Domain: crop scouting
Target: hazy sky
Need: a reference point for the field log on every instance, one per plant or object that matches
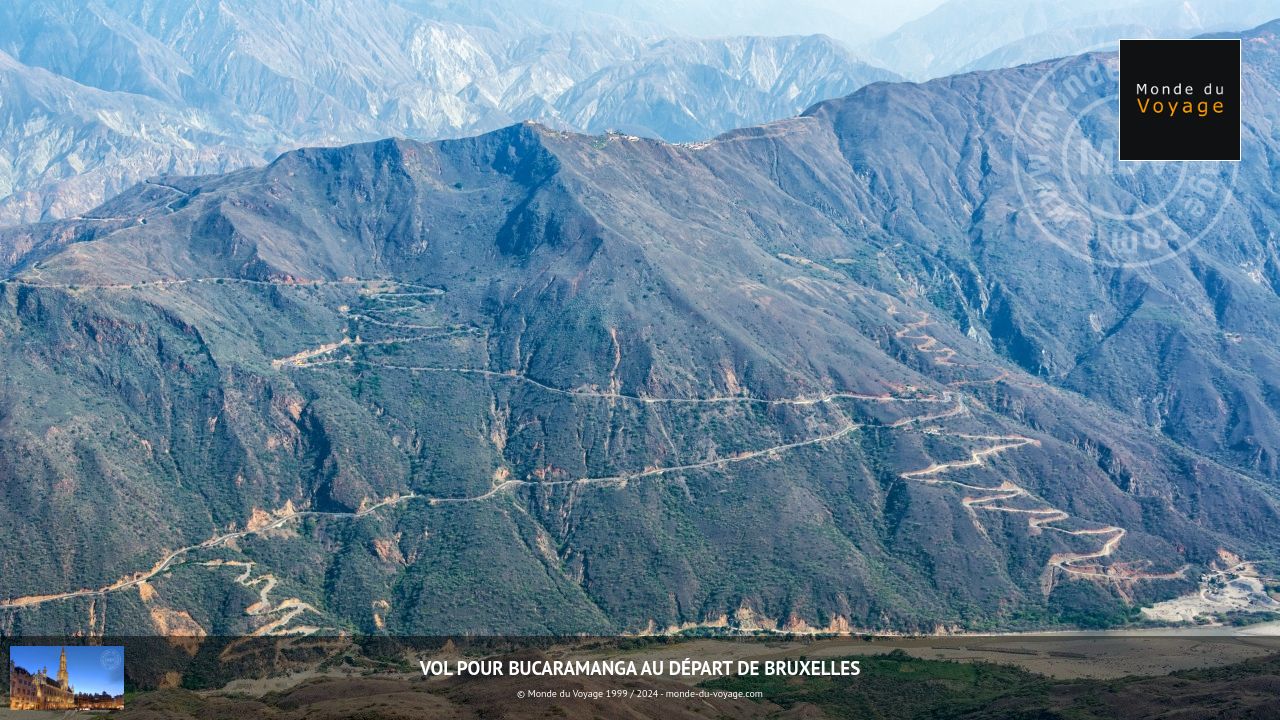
(852, 21)
(849, 20)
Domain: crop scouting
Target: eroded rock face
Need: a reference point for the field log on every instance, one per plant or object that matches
(806, 375)
(99, 97)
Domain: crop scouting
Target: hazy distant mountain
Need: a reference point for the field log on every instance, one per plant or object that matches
(827, 372)
(985, 34)
(674, 88)
(211, 85)
(848, 21)
(65, 145)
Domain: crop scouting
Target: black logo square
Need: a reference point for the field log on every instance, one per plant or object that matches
(1180, 99)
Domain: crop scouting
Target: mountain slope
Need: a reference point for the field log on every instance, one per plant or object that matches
(1178, 345)
(800, 376)
(677, 85)
(66, 145)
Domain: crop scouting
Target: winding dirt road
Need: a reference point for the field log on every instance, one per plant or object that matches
(997, 499)
(1000, 498)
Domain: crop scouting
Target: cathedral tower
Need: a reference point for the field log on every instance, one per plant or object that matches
(63, 682)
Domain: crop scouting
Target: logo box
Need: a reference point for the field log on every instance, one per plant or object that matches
(1180, 99)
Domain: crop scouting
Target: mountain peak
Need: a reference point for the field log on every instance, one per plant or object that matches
(819, 372)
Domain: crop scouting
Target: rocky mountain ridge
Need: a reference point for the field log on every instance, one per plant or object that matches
(802, 376)
(101, 95)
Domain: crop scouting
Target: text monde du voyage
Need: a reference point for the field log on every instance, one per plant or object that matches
(1181, 99)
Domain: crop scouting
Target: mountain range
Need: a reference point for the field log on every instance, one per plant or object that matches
(101, 95)
(831, 372)
(963, 35)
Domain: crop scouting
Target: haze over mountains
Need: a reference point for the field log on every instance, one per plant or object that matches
(822, 373)
(100, 95)
(964, 35)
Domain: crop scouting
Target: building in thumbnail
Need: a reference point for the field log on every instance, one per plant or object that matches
(99, 701)
(38, 691)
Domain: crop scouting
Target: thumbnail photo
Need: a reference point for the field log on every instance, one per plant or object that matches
(47, 677)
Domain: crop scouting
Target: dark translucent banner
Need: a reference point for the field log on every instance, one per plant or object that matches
(1090, 675)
